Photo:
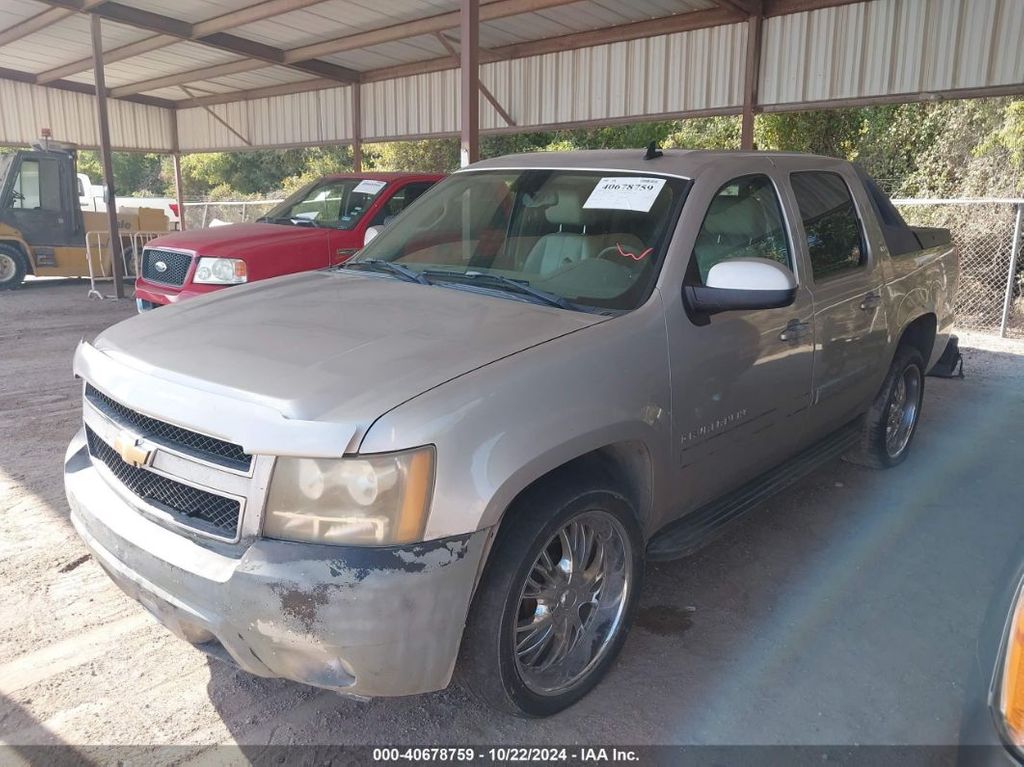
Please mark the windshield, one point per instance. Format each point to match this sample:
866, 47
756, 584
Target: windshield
573, 238
337, 204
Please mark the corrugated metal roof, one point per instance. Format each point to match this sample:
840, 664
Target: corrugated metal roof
337, 18
67, 40
684, 72
411, 49
580, 17
317, 117
886, 48
191, 10
72, 117
178, 57
866, 49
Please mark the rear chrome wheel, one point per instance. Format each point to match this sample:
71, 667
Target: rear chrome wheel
572, 603
890, 424
904, 406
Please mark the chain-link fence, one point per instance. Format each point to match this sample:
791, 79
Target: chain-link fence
988, 235
200, 215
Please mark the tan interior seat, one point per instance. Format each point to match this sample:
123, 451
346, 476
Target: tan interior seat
561, 248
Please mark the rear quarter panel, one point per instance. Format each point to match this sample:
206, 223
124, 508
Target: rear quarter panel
920, 283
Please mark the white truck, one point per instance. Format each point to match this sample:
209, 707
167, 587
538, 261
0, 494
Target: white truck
92, 197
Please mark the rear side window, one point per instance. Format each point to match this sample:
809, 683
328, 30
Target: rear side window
399, 201
744, 220
835, 239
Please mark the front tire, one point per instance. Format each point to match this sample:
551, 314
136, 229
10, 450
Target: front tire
13, 267
891, 423
557, 598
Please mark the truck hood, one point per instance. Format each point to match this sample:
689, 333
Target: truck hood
238, 239
332, 346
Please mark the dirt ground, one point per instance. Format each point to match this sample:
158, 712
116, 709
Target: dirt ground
843, 611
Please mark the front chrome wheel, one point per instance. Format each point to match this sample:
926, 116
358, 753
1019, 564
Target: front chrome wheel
904, 406
571, 606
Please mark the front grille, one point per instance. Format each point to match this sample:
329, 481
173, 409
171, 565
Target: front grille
175, 266
211, 449
189, 505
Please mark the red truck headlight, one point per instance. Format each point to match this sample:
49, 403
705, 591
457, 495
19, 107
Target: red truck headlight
220, 271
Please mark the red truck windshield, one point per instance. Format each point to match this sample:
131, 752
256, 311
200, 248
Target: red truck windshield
337, 204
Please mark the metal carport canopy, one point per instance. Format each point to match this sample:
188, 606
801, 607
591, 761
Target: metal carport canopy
202, 75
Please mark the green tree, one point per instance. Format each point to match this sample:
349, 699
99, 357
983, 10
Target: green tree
426, 156
705, 133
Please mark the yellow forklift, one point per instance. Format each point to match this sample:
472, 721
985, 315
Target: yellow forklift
45, 232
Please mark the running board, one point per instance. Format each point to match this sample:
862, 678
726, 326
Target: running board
689, 533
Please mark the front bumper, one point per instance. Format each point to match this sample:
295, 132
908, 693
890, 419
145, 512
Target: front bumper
162, 295
359, 620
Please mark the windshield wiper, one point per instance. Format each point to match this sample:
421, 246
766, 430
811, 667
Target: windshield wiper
522, 287
379, 265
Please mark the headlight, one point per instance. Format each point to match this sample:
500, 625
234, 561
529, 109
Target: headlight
371, 500
1011, 691
220, 271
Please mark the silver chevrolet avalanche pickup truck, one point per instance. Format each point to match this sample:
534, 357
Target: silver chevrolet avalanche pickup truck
454, 454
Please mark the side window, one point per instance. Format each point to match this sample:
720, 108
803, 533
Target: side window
37, 186
835, 239
744, 220
399, 201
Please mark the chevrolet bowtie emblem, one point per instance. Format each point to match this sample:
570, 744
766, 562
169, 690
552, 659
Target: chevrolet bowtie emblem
132, 450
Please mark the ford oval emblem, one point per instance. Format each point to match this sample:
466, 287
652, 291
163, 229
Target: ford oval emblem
160, 266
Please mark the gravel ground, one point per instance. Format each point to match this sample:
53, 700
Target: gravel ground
844, 611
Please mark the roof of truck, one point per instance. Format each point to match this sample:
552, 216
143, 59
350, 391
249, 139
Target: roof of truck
383, 176
688, 163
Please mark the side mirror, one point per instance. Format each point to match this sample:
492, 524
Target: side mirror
371, 232
743, 283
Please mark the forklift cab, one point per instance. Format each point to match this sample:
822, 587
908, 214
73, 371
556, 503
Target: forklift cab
38, 198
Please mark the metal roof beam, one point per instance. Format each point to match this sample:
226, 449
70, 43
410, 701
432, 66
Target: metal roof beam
225, 21
166, 25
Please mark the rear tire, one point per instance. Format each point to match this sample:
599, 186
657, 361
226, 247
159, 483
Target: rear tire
556, 599
13, 267
891, 423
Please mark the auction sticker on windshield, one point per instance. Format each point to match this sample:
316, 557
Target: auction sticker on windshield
369, 186
625, 193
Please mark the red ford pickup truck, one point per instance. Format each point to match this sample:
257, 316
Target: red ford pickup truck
320, 225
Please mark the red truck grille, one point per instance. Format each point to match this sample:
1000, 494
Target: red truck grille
168, 267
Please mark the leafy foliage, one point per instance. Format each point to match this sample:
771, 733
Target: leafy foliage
942, 149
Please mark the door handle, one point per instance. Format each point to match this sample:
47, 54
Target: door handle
871, 301
794, 331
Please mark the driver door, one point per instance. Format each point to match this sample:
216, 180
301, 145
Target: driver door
741, 379
38, 201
